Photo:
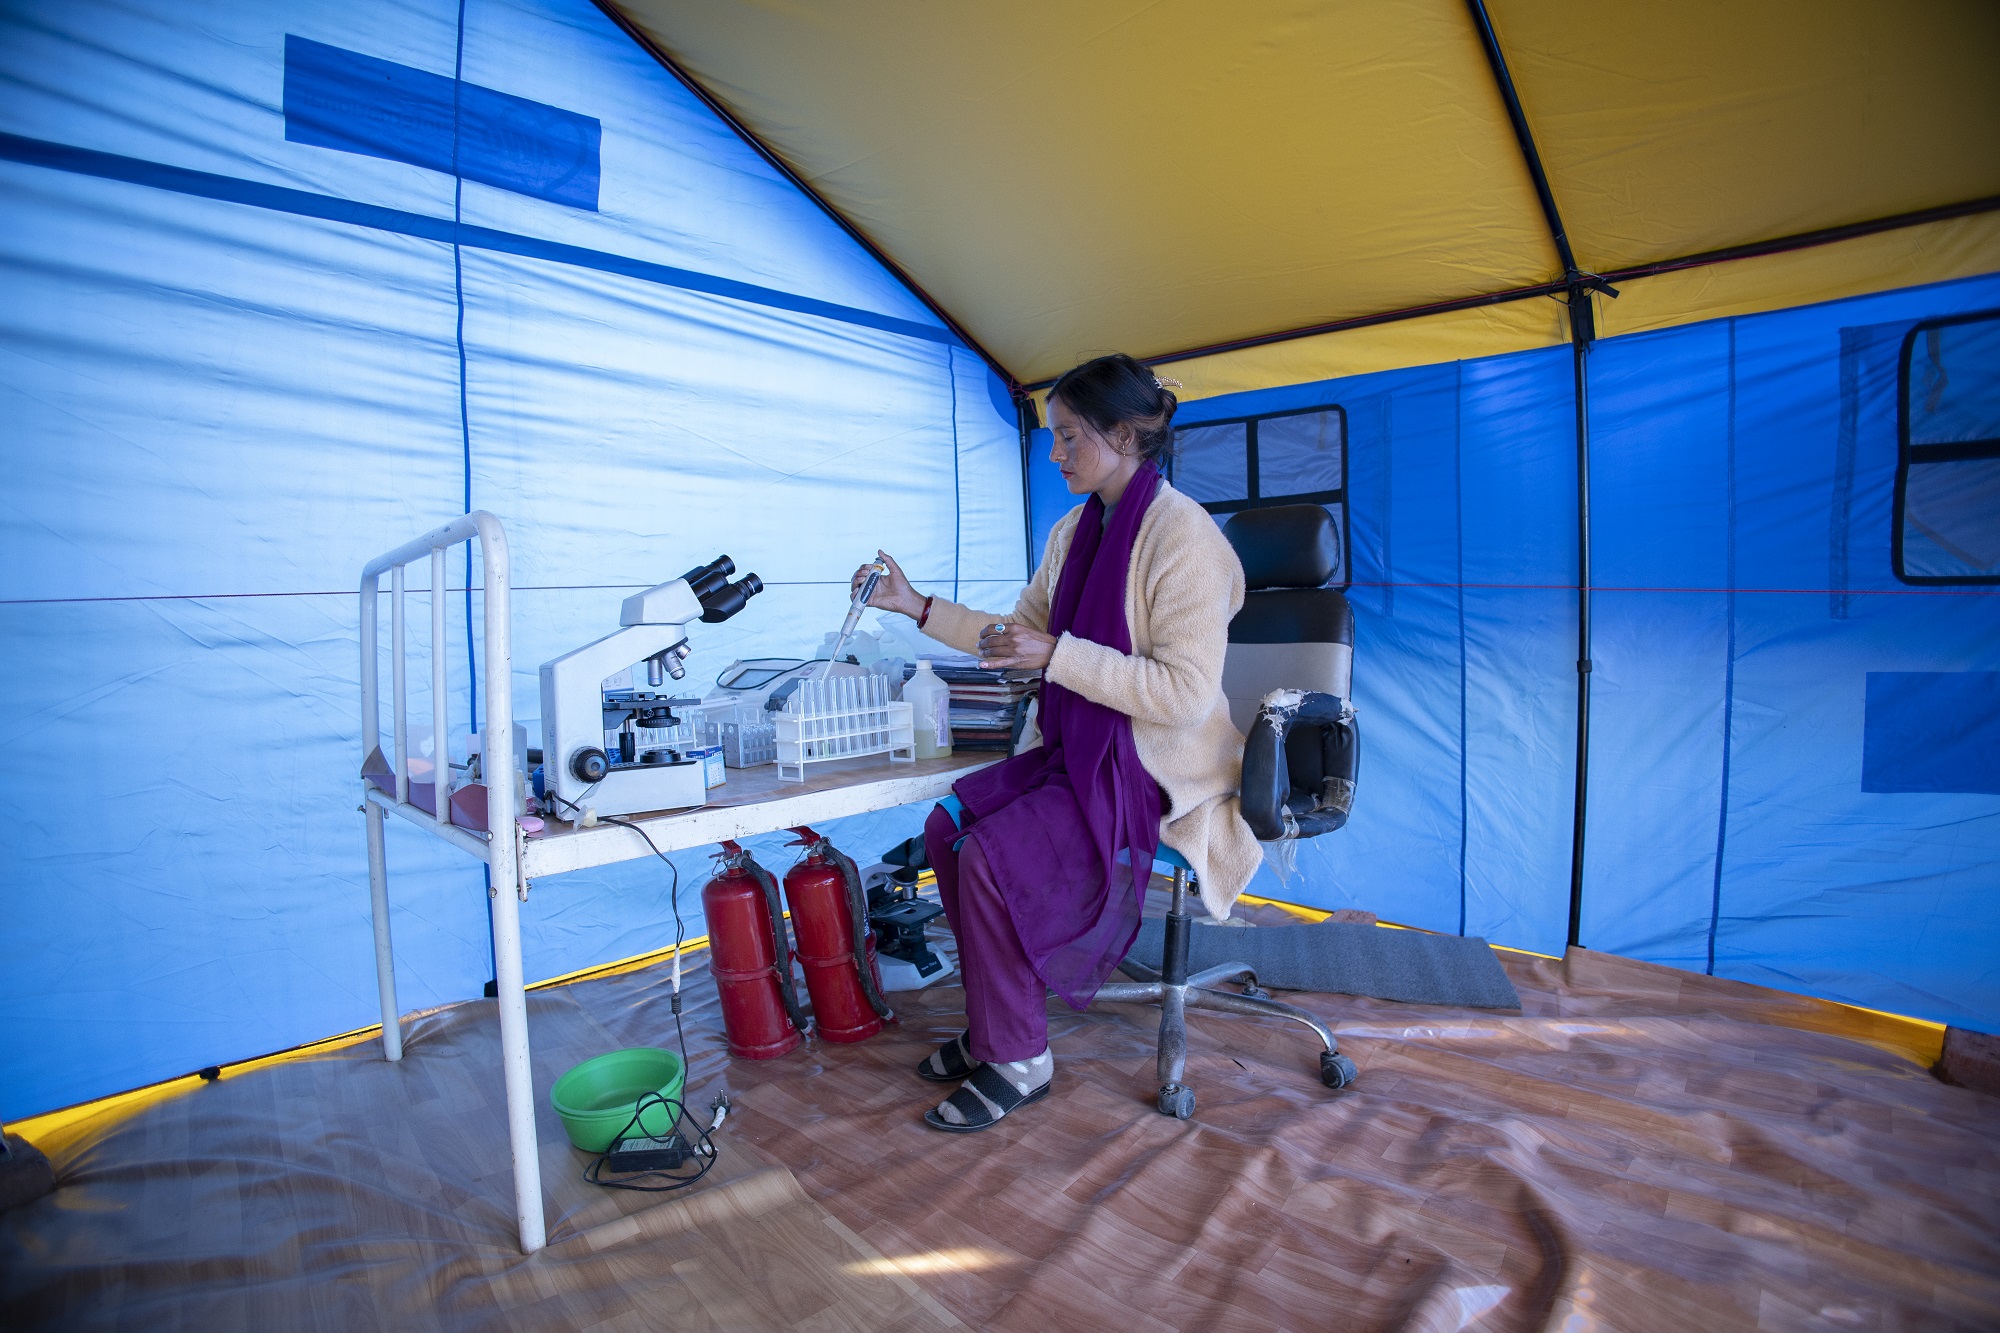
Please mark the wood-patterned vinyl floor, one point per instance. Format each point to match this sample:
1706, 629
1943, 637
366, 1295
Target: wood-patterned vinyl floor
1638, 1149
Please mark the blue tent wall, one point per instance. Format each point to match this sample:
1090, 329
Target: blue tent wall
1462, 491
1741, 479
226, 392
1751, 464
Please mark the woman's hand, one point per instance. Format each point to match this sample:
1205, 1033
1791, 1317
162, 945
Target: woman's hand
1015, 647
893, 592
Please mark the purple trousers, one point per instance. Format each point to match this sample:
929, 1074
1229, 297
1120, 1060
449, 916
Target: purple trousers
1006, 1002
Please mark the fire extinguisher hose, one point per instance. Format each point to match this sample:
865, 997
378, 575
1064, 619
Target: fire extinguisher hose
786, 990
857, 903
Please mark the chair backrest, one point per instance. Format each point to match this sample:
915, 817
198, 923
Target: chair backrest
1292, 633
1302, 756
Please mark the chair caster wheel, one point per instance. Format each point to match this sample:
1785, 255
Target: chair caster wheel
1335, 1069
1177, 1102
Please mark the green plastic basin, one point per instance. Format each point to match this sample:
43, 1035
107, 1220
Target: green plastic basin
597, 1098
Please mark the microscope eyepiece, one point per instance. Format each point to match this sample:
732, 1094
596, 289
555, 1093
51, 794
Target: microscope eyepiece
705, 580
729, 599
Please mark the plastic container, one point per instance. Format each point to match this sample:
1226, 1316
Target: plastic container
597, 1098
475, 750
741, 730
714, 771
747, 744
930, 712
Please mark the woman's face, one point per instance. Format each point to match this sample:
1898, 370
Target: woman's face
1090, 461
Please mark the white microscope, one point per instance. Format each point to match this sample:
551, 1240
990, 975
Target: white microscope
591, 758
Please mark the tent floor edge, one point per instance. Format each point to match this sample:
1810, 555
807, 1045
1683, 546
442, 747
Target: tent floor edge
1969, 1060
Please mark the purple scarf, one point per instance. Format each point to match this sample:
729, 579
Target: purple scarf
1064, 827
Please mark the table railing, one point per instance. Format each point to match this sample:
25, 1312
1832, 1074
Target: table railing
499, 849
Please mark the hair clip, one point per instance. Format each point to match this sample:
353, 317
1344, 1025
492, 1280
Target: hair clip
1159, 383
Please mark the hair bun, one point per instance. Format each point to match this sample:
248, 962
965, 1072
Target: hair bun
1109, 390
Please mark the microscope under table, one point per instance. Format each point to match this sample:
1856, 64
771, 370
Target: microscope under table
592, 759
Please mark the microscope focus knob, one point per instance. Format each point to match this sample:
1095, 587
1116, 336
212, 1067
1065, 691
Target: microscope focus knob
589, 764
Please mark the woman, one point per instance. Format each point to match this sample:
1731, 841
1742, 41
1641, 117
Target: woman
1127, 618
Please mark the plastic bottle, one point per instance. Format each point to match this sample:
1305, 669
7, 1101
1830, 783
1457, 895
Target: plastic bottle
930, 711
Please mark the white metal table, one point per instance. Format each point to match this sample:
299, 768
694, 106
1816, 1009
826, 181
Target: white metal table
753, 801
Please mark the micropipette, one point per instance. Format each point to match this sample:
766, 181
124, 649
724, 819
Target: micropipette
860, 603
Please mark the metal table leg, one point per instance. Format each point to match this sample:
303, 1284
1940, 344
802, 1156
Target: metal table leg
385, 954
513, 1003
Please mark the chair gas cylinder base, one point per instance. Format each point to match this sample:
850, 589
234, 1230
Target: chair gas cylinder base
1287, 675
1176, 992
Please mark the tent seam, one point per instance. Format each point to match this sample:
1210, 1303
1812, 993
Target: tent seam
465, 446
1780, 245
147, 174
1729, 660
957, 492
1458, 521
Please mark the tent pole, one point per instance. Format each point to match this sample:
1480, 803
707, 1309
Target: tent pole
1490, 41
1024, 414
1781, 245
1581, 332
646, 43
1577, 286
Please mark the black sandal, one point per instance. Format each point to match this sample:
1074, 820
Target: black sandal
984, 1099
953, 1058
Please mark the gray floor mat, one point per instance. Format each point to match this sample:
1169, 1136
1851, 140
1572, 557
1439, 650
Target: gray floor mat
1405, 965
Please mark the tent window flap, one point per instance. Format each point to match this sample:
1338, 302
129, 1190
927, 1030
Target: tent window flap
1279, 458
1947, 506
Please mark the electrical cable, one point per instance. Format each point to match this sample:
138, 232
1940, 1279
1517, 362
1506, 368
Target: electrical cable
760, 667
674, 901
680, 928
591, 1172
698, 1144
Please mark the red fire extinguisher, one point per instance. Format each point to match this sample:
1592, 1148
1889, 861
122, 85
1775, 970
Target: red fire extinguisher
830, 918
750, 959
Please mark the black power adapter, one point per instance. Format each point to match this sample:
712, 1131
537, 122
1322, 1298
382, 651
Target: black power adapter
628, 1156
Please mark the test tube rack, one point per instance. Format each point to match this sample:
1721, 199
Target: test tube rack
684, 736
746, 744
744, 732
842, 717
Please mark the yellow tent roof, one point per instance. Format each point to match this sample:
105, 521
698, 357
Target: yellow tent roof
1065, 179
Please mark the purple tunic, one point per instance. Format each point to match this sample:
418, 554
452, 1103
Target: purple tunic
1063, 826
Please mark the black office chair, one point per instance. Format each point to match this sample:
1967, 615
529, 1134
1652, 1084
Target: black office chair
1287, 677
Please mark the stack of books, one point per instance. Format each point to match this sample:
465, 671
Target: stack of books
986, 705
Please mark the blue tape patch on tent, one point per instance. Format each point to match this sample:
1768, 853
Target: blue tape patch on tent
1932, 731
341, 99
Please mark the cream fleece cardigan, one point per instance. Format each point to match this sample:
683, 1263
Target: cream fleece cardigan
1184, 586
